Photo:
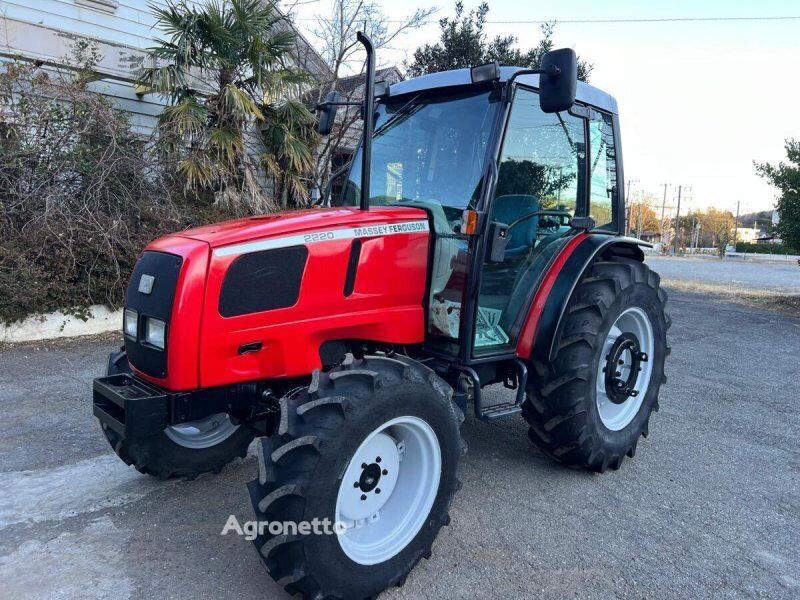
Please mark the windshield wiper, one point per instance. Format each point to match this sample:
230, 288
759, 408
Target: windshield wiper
400, 112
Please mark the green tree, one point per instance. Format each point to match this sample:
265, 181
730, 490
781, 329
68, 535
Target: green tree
226, 68
786, 177
463, 43
720, 224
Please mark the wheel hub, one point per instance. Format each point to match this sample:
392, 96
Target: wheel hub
388, 489
370, 477
624, 368
203, 433
623, 365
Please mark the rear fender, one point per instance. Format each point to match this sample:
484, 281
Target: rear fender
542, 329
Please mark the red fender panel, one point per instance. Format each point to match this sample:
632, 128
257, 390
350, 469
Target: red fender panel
528, 331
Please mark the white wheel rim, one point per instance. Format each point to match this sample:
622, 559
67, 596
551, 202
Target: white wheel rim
618, 416
203, 433
375, 526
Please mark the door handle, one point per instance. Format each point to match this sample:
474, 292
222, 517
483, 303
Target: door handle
249, 348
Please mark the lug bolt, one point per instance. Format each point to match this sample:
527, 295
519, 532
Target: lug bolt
385, 472
363, 465
622, 362
363, 496
355, 484
377, 490
378, 459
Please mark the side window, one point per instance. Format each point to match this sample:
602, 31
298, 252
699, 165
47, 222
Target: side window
540, 186
603, 173
543, 158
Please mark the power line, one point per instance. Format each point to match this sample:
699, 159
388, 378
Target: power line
657, 20
599, 21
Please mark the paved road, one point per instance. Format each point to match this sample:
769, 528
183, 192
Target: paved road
709, 506
735, 274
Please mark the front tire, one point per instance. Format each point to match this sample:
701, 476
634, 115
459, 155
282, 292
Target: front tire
185, 450
589, 406
166, 455
320, 466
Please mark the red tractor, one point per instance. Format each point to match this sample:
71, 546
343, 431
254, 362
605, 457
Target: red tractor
477, 240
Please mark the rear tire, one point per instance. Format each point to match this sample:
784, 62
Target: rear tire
309, 467
576, 415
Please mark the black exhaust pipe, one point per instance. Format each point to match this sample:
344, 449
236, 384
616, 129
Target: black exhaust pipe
369, 121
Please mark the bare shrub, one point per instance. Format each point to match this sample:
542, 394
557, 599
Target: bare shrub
80, 195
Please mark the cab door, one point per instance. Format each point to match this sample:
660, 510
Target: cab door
540, 185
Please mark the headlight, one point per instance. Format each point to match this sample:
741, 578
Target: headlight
155, 332
130, 321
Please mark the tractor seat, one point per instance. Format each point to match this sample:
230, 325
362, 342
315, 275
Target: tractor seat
507, 209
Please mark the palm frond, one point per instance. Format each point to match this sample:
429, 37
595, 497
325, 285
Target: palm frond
198, 172
237, 102
188, 118
226, 145
169, 80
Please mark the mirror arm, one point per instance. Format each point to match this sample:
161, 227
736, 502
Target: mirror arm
553, 71
325, 104
525, 72
506, 93
538, 213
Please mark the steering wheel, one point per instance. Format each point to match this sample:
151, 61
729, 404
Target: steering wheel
539, 213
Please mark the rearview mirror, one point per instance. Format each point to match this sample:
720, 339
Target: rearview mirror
327, 113
559, 80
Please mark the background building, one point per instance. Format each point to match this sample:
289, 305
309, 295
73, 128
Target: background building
43, 31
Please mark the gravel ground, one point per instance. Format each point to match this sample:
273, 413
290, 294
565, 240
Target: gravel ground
709, 506
730, 273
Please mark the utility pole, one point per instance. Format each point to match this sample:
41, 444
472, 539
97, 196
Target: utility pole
678, 219
627, 218
663, 207
736, 226
639, 218
628, 208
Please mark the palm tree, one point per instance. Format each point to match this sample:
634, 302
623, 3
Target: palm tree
288, 136
226, 68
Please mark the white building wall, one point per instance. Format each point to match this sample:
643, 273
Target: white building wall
44, 30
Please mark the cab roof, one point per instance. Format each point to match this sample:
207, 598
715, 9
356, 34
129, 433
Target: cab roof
586, 93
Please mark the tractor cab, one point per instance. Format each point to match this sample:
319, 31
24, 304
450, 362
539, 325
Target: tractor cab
504, 183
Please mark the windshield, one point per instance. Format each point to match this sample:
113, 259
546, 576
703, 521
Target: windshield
428, 152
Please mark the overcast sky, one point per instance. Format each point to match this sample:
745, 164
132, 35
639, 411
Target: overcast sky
699, 101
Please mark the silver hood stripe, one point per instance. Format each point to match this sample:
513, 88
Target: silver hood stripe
325, 235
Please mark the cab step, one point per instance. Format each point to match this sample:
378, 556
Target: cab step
516, 380
501, 410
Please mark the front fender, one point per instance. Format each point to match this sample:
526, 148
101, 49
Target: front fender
542, 328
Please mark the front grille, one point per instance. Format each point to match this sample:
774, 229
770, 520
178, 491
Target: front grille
164, 269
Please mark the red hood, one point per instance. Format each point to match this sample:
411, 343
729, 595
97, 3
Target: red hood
282, 223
